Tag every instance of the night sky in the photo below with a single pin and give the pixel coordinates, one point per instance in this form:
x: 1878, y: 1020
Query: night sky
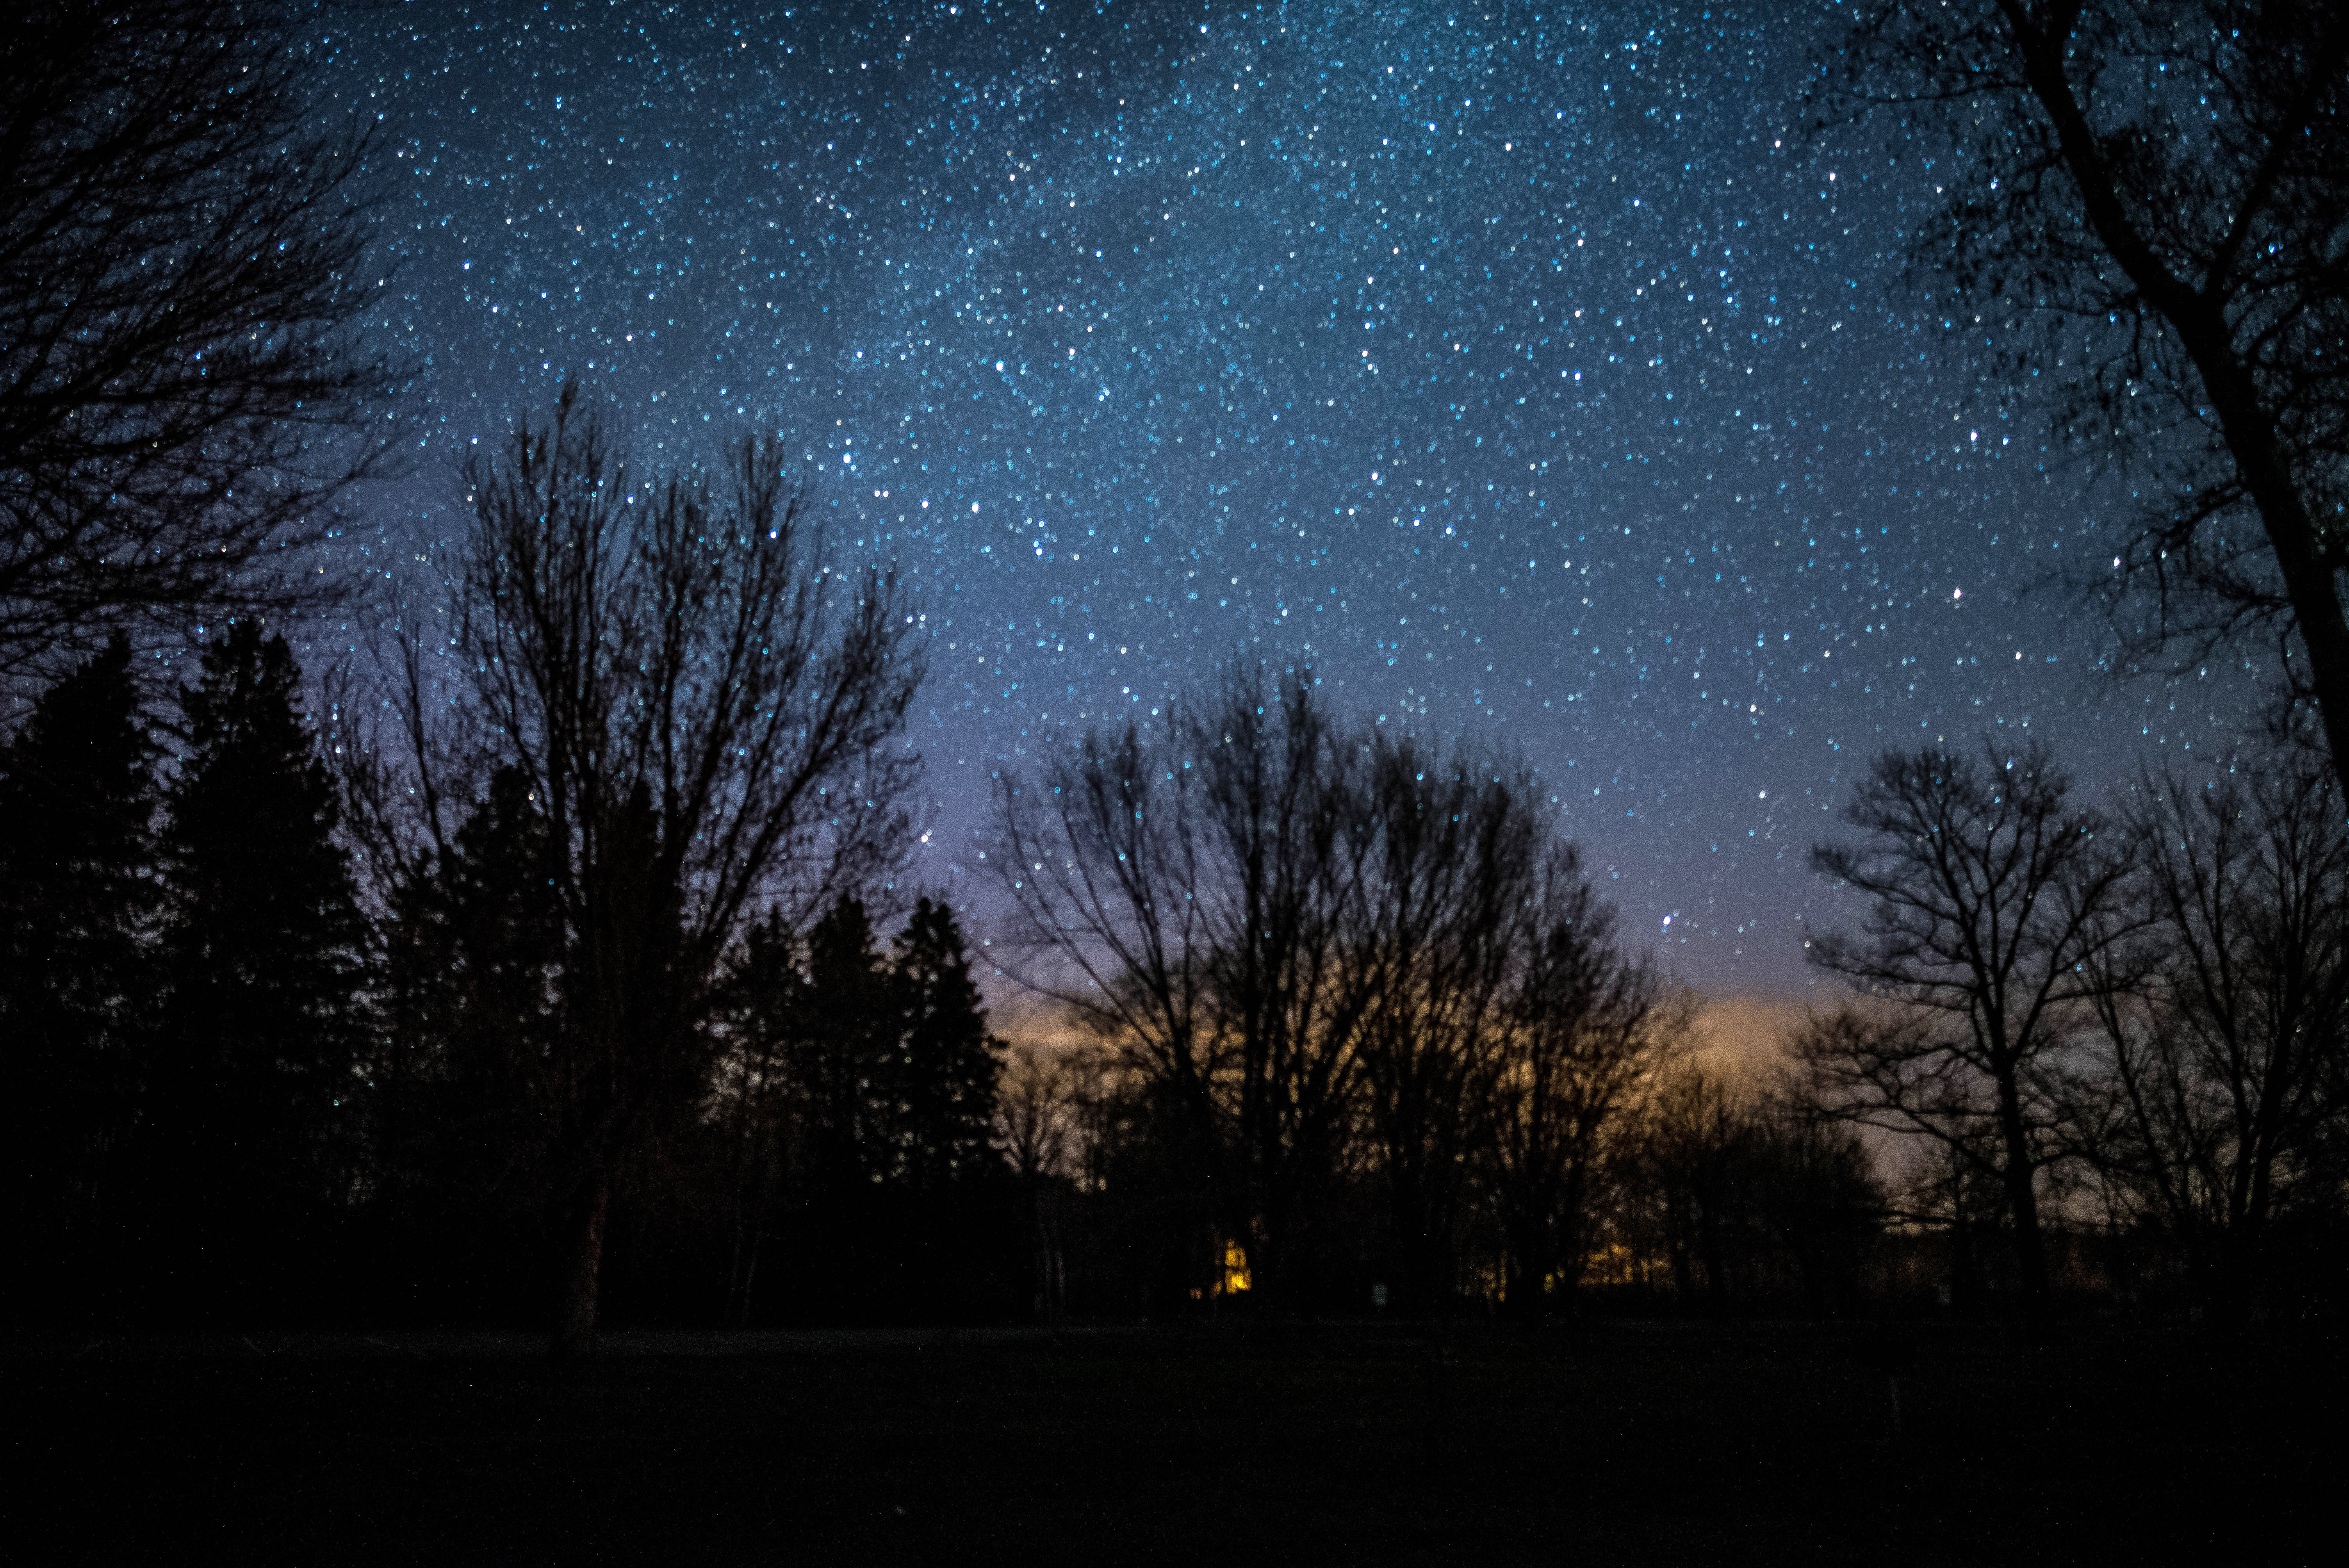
x: 1520, y: 368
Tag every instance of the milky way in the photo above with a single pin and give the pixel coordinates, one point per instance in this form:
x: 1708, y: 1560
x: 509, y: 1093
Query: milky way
x: 1522, y: 370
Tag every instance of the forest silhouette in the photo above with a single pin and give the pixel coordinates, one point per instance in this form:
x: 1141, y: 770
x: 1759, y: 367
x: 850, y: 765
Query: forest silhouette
x: 559, y: 946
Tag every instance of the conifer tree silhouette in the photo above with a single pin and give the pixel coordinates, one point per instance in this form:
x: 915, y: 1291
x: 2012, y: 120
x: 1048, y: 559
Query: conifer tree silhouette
x: 256, y: 1101
x: 460, y: 1134
x: 78, y: 907
x: 944, y: 1065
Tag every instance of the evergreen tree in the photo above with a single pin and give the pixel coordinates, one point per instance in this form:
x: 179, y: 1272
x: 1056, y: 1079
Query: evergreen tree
x: 255, y: 1102
x: 766, y: 1011
x: 77, y: 903
x: 463, y: 1118
x: 842, y: 1056
x: 952, y: 1230
x: 853, y: 1112
x: 939, y: 1077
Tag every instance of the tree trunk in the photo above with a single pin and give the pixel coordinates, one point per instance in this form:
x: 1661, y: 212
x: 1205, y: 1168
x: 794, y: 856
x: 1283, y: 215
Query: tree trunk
x: 754, y: 1193
x: 1714, y: 1254
x: 745, y: 1275
x: 1052, y: 1284
x: 1424, y: 1282
x: 574, y: 1324
x: 1530, y: 1264
x: 2023, y: 1198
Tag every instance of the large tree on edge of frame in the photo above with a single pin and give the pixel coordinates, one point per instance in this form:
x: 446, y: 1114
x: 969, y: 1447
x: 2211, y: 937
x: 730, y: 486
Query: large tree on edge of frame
x: 2152, y: 197
x: 2220, y: 1068
x: 705, y: 711
x: 182, y: 258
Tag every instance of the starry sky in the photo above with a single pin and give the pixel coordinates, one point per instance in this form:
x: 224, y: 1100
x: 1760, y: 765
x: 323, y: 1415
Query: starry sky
x: 1520, y: 368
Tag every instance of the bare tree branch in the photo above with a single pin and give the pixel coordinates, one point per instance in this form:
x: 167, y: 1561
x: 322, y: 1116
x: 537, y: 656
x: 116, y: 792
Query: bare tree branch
x: 2147, y: 211
x: 183, y: 261
x: 1994, y: 901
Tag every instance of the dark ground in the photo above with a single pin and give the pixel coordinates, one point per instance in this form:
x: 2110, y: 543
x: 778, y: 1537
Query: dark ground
x: 1220, y: 1443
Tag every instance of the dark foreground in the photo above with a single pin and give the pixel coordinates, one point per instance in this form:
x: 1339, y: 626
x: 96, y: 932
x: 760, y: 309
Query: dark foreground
x: 1623, y: 1443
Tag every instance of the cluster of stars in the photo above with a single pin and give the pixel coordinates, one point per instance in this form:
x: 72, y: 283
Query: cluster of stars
x: 1520, y: 371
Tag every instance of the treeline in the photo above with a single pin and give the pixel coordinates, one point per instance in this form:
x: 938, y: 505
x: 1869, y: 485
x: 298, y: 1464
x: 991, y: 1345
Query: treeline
x: 310, y: 1022
x: 568, y: 967
x: 237, y: 1092
x: 1371, y: 1037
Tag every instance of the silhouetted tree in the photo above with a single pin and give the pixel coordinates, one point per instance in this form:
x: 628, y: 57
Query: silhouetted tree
x: 854, y: 1097
x: 1038, y: 1109
x: 937, y: 1077
x: 2147, y: 197
x: 1822, y: 1202
x: 1040, y: 1123
x: 1308, y: 945
x: 255, y: 1091
x: 465, y: 1099
x: 1449, y: 914
x: 1286, y: 845
x: 840, y: 1049
x: 2221, y: 1057
x: 1103, y: 857
x: 1991, y: 896
x: 1696, y: 1156
x: 766, y: 1009
x: 1757, y: 1201
x: 1956, y: 1187
x: 181, y: 263
x: 704, y: 710
x: 1191, y: 889
x: 804, y: 1097
x: 1585, y: 1031
x: 943, y: 1202
x: 78, y: 979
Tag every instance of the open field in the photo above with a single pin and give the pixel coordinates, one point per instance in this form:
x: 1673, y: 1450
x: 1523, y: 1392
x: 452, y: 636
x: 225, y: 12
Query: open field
x: 1221, y: 1443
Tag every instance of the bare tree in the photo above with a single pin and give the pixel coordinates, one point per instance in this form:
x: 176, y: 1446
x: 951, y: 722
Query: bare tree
x: 2148, y: 202
x: 1586, y: 1029
x: 1102, y: 857
x: 1290, y: 833
x: 1450, y: 910
x: 1191, y: 891
x: 1697, y: 1159
x: 1037, y: 1111
x: 182, y: 265
x: 1322, y: 948
x: 1992, y: 897
x: 1747, y: 1196
x: 1040, y: 1121
x: 2220, y: 1061
x: 706, y: 712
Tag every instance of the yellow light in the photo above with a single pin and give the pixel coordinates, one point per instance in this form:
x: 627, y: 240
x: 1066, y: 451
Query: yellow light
x: 1235, y: 1269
